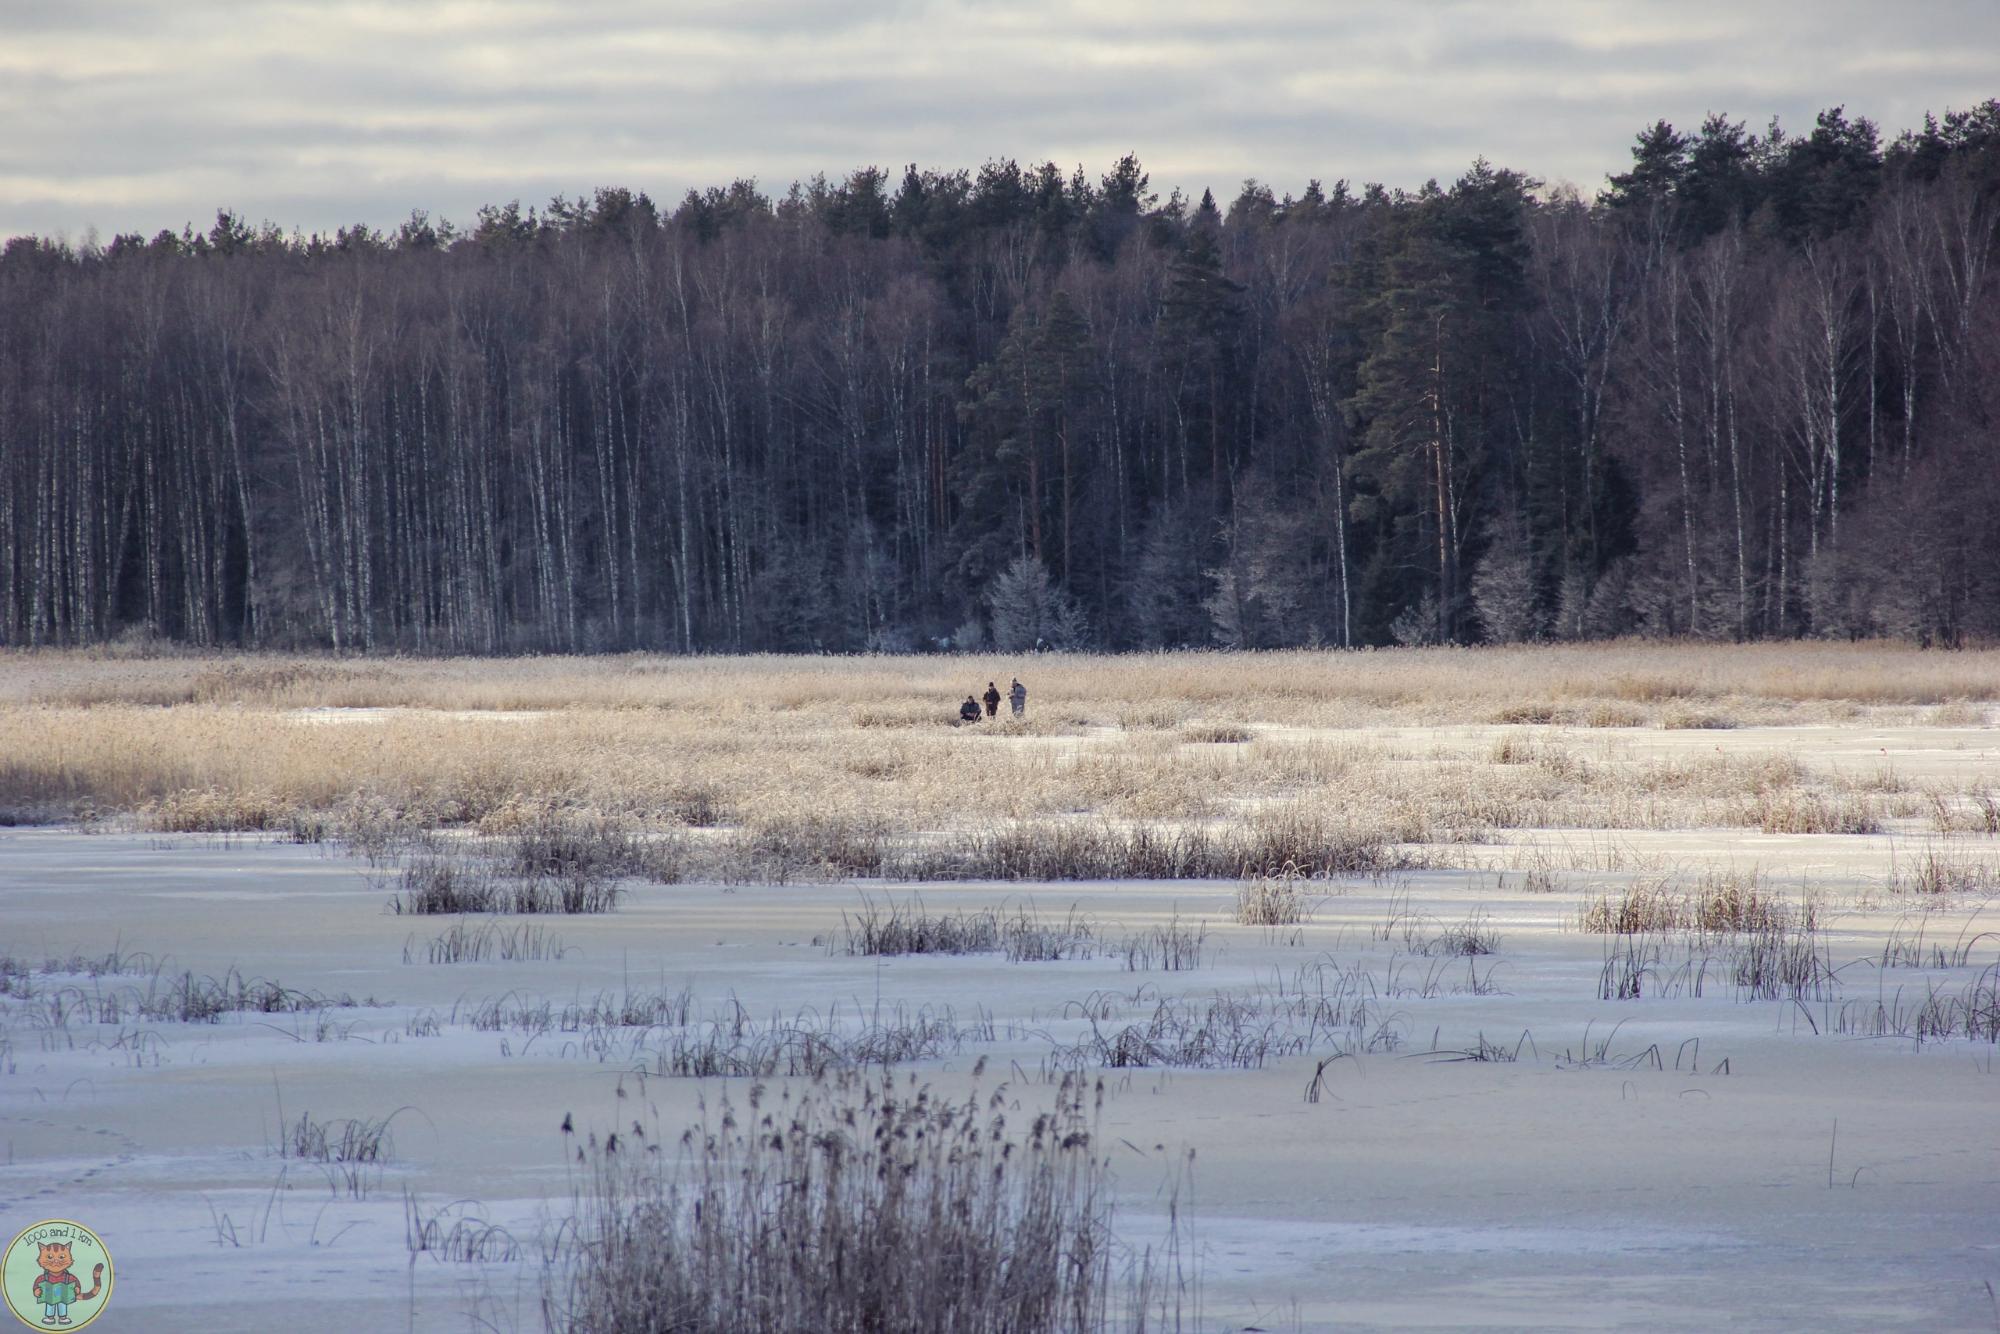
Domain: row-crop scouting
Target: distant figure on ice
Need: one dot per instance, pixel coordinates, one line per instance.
(968, 712)
(1018, 697)
(992, 699)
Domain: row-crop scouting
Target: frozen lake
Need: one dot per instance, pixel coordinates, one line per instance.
(1549, 1190)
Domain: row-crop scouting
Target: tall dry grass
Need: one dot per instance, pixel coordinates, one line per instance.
(1622, 683)
(1167, 764)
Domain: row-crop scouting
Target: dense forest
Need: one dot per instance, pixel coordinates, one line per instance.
(1750, 390)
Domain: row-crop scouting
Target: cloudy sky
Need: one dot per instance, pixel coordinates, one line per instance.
(132, 115)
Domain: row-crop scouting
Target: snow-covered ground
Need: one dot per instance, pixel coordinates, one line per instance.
(1758, 1174)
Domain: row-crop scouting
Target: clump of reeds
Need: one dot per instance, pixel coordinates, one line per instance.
(559, 894)
(1224, 1032)
(351, 1151)
(1683, 718)
(454, 1234)
(1975, 811)
(1739, 902)
(188, 998)
(1319, 845)
(1939, 870)
(1905, 949)
(1784, 961)
(22, 978)
(1521, 749)
(1277, 897)
(1634, 967)
(1520, 713)
(446, 885)
(1172, 947)
(1596, 1053)
(1027, 937)
(1324, 1008)
(537, 871)
(810, 1045)
(629, 1009)
(1475, 935)
(909, 928)
(826, 845)
(1425, 936)
(1971, 1011)
(1086, 850)
(468, 942)
(1058, 850)
(853, 1203)
(114, 962)
(1812, 813)
(1484, 1050)
(1718, 902)
(555, 844)
(1649, 905)
(1218, 734)
(1987, 805)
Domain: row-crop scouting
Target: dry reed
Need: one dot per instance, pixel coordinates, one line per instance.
(832, 767)
(851, 1203)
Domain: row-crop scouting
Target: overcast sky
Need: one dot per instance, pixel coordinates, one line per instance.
(133, 115)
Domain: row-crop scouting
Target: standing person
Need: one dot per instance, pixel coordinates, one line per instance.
(968, 712)
(992, 699)
(1018, 697)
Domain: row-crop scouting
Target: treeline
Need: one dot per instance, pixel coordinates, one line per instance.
(1750, 390)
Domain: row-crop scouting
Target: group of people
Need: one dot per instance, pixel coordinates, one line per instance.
(1017, 695)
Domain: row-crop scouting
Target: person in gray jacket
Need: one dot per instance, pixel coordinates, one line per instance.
(1018, 697)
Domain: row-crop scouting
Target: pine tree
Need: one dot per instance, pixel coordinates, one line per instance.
(1029, 612)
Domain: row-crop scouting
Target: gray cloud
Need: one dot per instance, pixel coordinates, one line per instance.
(126, 115)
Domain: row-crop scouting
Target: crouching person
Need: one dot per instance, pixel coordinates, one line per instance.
(968, 712)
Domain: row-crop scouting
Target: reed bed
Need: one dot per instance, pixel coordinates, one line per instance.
(1274, 898)
(1164, 765)
(1628, 683)
(854, 1202)
(1715, 902)
(199, 769)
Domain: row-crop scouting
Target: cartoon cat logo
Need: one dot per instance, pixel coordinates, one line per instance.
(38, 1275)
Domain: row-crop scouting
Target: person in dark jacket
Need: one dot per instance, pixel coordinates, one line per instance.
(1018, 697)
(968, 712)
(992, 699)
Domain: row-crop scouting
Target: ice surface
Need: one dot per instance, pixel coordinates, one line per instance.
(1417, 1192)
